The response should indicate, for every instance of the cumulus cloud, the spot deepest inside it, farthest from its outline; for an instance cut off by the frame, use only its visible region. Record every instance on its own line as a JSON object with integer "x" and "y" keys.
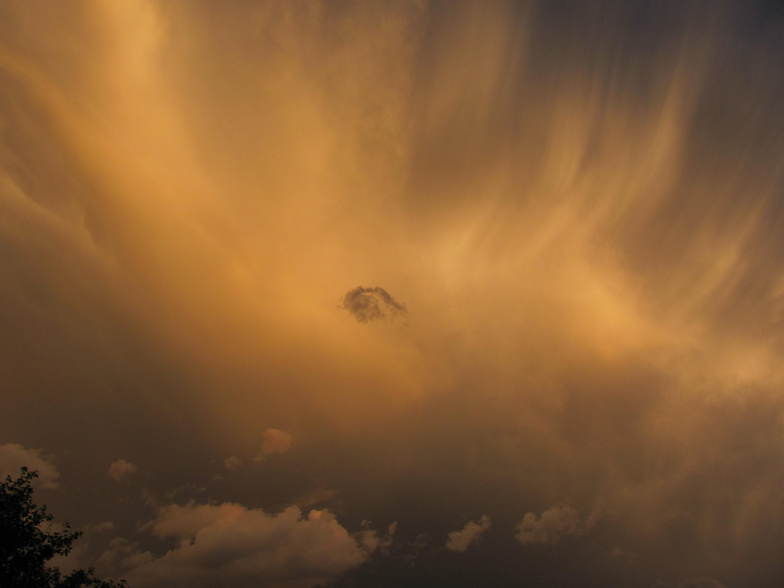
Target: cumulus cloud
{"x": 121, "y": 469}
{"x": 551, "y": 525}
{"x": 231, "y": 545}
{"x": 461, "y": 540}
{"x": 14, "y": 456}
{"x": 367, "y": 304}
{"x": 274, "y": 441}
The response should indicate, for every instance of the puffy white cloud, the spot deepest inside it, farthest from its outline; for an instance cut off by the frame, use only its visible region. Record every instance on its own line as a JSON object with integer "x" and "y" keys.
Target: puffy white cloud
{"x": 120, "y": 469}
{"x": 461, "y": 540}
{"x": 550, "y": 526}
{"x": 14, "y": 456}
{"x": 232, "y": 545}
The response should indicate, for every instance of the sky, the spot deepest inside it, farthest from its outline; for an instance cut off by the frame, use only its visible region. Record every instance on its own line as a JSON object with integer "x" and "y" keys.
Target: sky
{"x": 411, "y": 293}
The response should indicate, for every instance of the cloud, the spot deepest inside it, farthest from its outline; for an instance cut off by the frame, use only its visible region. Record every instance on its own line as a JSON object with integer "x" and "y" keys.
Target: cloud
{"x": 598, "y": 311}
{"x": 367, "y": 304}
{"x": 123, "y": 554}
{"x": 461, "y": 540}
{"x": 274, "y": 441}
{"x": 550, "y": 526}
{"x": 231, "y": 545}
{"x": 372, "y": 541}
{"x": 86, "y": 552}
{"x": 121, "y": 469}
{"x": 14, "y": 456}
{"x": 232, "y": 463}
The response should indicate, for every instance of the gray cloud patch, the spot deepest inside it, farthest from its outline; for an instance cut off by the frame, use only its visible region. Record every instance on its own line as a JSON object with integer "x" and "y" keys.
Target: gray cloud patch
{"x": 367, "y": 304}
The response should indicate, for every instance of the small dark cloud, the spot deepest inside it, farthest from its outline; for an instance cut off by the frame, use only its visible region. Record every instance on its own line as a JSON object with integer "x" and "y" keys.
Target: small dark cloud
{"x": 367, "y": 304}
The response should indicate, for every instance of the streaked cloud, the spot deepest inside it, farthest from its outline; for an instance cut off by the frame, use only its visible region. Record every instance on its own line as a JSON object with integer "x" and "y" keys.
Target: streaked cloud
{"x": 574, "y": 207}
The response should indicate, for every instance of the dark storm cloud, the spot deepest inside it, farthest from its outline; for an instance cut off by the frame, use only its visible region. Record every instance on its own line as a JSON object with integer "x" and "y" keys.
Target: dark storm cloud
{"x": 368, "y": 304}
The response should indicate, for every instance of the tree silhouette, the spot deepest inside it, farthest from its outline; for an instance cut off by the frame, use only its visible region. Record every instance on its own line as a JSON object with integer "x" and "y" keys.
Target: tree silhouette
{"x": 28, "y": 541}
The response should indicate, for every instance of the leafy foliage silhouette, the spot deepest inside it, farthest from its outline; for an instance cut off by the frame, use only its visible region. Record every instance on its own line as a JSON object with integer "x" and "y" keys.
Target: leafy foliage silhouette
{"x": 28, "y": 540}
